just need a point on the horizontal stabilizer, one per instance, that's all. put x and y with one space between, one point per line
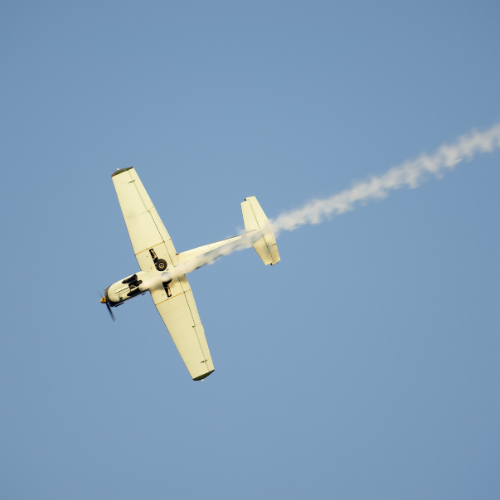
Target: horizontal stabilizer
255 219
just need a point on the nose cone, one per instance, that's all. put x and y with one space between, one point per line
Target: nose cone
103 300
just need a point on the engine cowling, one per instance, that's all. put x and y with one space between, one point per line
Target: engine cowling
125 289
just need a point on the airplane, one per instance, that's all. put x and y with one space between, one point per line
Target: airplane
163 270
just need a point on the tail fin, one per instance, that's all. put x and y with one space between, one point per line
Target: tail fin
255 219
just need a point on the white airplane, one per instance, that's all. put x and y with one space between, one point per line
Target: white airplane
163 270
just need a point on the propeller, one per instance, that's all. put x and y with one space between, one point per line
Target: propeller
104 301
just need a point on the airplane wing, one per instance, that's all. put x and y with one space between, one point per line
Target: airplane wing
180 315
174 301
145 228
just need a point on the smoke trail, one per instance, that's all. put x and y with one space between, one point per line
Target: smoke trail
410 173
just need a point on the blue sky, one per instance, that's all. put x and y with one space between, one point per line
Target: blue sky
364 365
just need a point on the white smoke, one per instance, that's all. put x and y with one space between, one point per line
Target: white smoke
241 242
409 174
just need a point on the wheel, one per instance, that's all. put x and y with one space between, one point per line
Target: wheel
161 265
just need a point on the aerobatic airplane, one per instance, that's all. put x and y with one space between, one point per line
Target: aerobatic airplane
163 270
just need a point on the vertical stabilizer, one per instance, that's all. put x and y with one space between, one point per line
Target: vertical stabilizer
254 219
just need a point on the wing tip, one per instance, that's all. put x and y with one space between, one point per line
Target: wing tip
120 170
205 375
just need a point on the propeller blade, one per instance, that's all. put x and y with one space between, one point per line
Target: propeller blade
104 301
110 311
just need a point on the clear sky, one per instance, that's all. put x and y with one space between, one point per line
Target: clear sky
364 365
